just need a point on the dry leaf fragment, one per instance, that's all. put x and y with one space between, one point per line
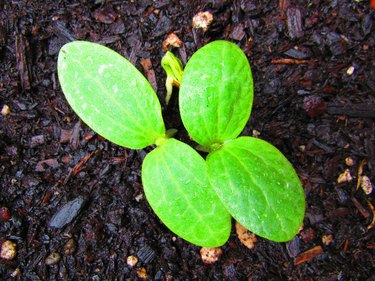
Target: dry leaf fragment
150 73
366 184
247 238
210 255
345 177
308 255
172 40
202 20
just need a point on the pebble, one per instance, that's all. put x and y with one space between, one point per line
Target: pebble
8 250
52 259
5 110
67 213
132 261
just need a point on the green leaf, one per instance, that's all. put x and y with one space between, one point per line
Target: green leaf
216 93
259 187
176 186
110 95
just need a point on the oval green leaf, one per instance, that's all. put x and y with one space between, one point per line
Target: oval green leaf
177 187
259 187
216 93
109 94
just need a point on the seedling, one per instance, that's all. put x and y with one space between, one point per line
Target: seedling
243 177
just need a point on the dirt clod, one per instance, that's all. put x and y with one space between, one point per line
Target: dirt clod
210 255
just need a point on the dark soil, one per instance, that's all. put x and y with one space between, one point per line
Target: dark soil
308 103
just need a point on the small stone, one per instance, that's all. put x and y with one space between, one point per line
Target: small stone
52 259
256 133
69 247
202 20
8 250
67 213
132 261
345 177
210 255
349 161
350 70
5 110
366 185
16 273
142 273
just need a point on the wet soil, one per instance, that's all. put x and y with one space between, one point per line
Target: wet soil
313 67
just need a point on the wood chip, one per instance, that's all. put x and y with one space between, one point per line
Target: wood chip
308 255
371 225
247 238
74 138
353 110
150 73
289 61
79 166
360 208
23 64
294 23
41 165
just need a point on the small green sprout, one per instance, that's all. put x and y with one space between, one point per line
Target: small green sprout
243 177
173 68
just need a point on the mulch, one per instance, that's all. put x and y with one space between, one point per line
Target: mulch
313 68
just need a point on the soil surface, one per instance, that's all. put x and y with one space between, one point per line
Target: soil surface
313 67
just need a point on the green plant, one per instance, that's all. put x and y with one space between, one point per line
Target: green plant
243 177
